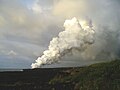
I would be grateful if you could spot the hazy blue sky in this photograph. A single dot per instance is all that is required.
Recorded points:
(27, 26)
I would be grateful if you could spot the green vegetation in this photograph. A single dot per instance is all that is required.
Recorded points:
(101, 76)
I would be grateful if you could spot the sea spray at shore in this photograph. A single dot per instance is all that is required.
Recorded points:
(77, 35)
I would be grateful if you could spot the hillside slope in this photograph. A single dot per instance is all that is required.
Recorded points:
(101, 76)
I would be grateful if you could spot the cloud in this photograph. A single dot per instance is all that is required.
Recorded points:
(2, 21)
(36, 8)
(24, 32)
(20, 21)
(69, 8)
(12, 53)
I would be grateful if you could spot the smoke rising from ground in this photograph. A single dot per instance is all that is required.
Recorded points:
(77, 35)
(106, 16)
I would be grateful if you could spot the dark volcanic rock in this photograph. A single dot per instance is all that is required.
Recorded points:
(29, 79)
(101, 76)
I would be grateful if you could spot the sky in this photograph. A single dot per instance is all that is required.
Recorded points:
(27, 27)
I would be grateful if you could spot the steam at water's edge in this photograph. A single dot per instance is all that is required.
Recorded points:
(77, 35)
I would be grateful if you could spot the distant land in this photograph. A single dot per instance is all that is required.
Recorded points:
(99, 76)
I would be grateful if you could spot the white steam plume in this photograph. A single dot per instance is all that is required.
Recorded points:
(77, 35)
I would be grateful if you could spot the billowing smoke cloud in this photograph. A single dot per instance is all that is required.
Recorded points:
(106, 16)
(77, 35)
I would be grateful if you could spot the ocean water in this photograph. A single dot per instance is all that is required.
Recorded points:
(5, 69)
